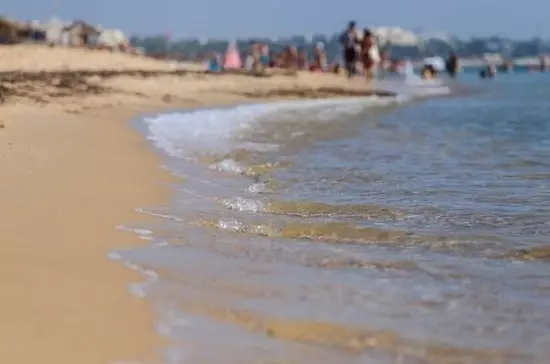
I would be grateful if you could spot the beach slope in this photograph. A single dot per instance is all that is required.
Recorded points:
(71, 169)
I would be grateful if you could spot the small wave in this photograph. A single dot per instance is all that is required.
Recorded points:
(348, 262)
(332, 232)
(313, 209)
(258, 147)
(349, 338)
(231, 224)
(323, 231)
(342, 232)
(530, 254)
(320, 333)
(142, 234)
(213, 130)
(243, 204)
(264, 187)
(230, 165)
(157, 214)
(413, 87)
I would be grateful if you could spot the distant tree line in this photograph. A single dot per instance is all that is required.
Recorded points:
(475, 47)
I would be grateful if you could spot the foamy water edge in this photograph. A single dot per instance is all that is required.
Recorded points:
(211, 129)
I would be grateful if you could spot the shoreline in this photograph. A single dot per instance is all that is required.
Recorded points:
(72, 169)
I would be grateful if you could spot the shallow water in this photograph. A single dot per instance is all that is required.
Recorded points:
(356, 231)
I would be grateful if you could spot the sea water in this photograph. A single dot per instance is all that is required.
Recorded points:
(368, 230)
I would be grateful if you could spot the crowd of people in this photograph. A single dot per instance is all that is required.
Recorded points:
(290, 58)
(362, 55)
(259, 58)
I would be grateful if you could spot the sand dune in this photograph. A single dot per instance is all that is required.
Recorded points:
(29, 57)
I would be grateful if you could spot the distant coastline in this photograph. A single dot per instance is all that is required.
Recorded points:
(472, 52)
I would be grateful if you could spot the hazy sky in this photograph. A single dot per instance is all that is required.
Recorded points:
(224, 18)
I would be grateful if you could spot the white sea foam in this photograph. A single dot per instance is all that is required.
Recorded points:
(141, 233)
(114, 256)
(413, 86)
(231, 224)
(138, 289)
(259, 187)
(150, 276)
(258, 147)
(243, 204)
(229, 165)
(164, 216)
(214, 130)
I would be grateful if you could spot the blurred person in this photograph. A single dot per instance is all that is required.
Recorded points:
(348, 40)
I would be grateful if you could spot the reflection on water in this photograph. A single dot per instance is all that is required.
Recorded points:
(395, 234)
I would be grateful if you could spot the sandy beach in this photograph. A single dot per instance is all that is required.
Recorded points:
(72, 169)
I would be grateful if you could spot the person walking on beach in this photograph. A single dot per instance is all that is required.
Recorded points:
(348, 40)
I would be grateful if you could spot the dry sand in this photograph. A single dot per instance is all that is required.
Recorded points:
(71, 169)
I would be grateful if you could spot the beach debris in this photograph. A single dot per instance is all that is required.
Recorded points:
(56, 81)
(2, 124)
(4, 92)
(44, 86)
(72, 109)
(313, 93)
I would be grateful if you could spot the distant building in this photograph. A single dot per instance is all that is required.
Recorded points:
(10, 30)
(112, 38)
(81, 33)
(54, 31)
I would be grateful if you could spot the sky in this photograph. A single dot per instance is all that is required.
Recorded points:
(272, 18)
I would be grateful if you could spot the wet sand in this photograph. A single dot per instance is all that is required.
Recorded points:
(71, 170)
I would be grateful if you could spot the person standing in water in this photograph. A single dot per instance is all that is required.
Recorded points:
(452, 65)
(348, 40)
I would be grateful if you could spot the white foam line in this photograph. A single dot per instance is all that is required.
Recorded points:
(191, 193)
(168, 320)
(164, 216)
(151, 274)
(210, 130)
(138, 289)
(132, 266)
(142, 233)
(114, 256)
